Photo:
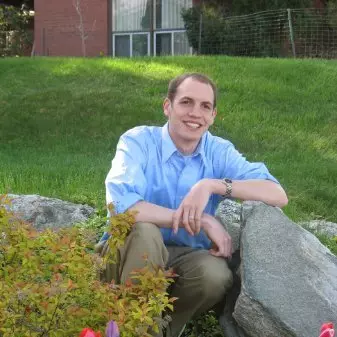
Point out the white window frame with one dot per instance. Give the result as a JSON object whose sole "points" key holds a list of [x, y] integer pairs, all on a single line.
{"points": [[172, 39], [131, 41]]}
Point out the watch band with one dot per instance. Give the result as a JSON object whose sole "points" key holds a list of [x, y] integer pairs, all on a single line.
{"points": [[228, 183]]}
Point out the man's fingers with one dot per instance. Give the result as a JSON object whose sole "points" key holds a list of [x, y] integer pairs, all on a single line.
{"points": [[191, 219], [221, 250], [216, 253], [186, 221], [197, 220], [228, 246], [176, 220], [217, 250]]}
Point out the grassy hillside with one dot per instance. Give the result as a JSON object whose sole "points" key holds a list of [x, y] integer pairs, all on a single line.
{"points": [[60, 120]]}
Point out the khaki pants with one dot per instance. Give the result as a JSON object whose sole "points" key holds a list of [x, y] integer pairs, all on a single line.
{"points": [[203, 279]]}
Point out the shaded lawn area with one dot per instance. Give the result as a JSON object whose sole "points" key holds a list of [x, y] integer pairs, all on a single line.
{"points": [[60, 120]]}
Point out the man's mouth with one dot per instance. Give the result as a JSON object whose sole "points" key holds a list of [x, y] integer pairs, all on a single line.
{"points": [[193, 125]]}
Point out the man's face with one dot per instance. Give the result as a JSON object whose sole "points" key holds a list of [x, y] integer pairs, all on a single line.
{"points": [[191, 113]]}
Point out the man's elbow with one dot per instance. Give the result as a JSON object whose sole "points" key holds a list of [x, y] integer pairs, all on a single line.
{"points": [[282, 199], [282, 202]]}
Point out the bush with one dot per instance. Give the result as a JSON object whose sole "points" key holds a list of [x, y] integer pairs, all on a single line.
{"points": [[206, 325], [221, 35], [215, 29], [49, 284], [16, 36]]}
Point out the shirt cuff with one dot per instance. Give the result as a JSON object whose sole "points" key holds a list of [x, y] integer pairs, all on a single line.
{"points": [[259, 171], [126, 201], [264, 176]]}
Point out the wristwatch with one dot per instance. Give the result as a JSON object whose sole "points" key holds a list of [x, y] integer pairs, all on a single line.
{"points": [[228, 183]]}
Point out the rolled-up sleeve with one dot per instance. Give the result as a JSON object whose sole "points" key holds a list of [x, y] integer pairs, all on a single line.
{"points": [[236, 167], [126, 183]]}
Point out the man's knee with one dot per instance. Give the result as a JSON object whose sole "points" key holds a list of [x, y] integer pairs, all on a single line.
{"points": [[146, 231], [144, 239], [215, 279]]}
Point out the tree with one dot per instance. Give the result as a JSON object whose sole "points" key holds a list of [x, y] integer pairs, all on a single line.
{"points": [[18, 3], [78, 5]]}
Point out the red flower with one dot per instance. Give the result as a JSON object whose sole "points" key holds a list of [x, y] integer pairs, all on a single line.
{"points": [[327, 330], [86, 332]]}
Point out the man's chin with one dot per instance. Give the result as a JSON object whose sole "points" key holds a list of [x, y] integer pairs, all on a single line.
{"points": [[191, 138]]}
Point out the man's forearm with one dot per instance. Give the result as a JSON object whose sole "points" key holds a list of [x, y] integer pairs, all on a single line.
{"points": [[147, 212], [261, 190]]}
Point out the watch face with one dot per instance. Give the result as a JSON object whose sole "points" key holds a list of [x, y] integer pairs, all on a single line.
{"points": [[228, 180]]}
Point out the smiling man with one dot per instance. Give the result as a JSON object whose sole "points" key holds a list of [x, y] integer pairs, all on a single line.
{"points": [[174, 177]]}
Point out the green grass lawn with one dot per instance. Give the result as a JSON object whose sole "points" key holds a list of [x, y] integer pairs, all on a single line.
{"points": [[60, 120]]}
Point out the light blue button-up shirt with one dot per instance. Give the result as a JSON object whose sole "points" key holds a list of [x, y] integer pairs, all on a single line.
{"points": [[148, 166]]}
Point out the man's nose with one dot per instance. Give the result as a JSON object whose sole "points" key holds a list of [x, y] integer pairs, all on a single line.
{"points": [[195, 111]]}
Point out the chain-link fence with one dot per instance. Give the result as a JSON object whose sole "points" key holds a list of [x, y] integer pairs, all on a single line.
{"points": [[199, 30], [274, 33]]}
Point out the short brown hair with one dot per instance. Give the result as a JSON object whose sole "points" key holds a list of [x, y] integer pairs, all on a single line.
{"points": [[175, 83]]}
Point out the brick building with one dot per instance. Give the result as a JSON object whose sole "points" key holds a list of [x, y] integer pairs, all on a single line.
{"points": [[110, 27], [113, 27]]}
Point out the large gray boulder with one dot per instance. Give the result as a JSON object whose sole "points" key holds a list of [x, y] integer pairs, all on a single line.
{"points": [[44, 212], [289, 279], [321, 227], [288, 284], [229, 214]]}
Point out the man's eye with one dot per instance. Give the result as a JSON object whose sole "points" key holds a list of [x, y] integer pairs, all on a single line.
{"points": [[207, 107], [185, 102]]}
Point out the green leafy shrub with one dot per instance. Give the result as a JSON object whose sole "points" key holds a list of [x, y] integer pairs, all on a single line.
{"points": [[97, 224], [220, 34], [328, 242], [49, 284], [220, 28], [206, 325], [16, 34]]}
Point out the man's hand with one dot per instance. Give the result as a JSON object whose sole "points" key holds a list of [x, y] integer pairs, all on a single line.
{"points": [[222, 242], [191, 208]]}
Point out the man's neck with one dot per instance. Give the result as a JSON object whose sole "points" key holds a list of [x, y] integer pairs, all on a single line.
{"points": [[185, 148]]}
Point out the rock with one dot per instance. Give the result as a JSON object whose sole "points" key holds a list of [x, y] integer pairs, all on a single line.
{"points": [[229, 214], [44, 212], [288, 284], [227, 322], [321, 227], [289, 279]]}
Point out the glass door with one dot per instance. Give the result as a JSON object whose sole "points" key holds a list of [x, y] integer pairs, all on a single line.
{"points": [[131, 44], [142, 26]]}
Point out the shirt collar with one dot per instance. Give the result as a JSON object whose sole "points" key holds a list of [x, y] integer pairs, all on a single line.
{"points": [[168, 147]]}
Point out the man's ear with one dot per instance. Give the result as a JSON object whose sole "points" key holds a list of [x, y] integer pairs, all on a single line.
{"points": [[214, 112], [167, 107]]}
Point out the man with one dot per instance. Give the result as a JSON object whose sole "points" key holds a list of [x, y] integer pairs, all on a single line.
{"points": [[174, 177]]}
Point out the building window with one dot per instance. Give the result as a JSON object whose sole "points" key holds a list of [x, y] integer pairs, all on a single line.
{"points": [[122, 45], [131, 15], [171, 43], [133, 44], [168, 13], [145, 27]]}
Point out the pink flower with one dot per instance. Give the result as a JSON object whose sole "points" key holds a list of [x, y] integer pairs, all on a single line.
{"points": [[327, 330], [86, 332], [112, 330]]}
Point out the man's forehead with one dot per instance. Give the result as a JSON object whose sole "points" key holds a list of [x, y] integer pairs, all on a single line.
{"points": [[195, 89]]}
